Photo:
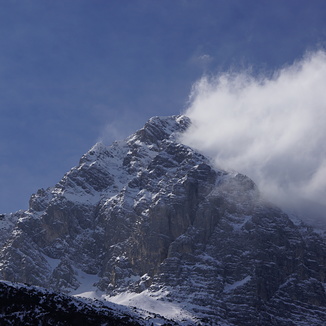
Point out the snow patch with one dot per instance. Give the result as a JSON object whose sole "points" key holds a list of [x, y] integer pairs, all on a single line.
{"points": [[87, 287], [153, 302], [53, 263], [230, 287]]}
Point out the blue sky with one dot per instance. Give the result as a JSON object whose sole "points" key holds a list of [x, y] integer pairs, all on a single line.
{"points": [[73, 72]]}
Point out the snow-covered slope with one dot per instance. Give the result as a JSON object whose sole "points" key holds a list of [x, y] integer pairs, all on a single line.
{"points": [[150, 222]]}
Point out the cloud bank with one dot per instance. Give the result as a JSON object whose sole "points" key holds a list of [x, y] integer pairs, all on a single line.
{"points": [[272, 129]]}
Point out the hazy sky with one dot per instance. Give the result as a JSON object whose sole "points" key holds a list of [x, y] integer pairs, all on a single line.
{"points": [[74, 72]]}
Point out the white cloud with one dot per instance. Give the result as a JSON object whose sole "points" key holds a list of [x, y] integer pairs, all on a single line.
{"points": [[202, 60], [272, 129]]}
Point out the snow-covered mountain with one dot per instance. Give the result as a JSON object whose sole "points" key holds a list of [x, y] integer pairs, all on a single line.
{"points": [[150, 222]]}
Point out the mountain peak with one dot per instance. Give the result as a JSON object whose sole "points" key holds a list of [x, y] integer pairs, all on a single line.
{"points": [[158, 128], [149, 219]]}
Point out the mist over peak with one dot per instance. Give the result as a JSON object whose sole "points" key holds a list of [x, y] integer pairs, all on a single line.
{"points": [[271, 128]]}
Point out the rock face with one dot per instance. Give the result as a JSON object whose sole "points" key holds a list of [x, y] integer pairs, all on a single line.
{"points": [[149, 214]]}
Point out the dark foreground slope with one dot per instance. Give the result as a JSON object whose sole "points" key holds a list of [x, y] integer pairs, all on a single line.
{"points": [[149, 217], [25, 305]]}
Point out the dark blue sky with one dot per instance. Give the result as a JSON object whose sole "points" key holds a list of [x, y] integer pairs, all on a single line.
{"points": [[72, 72]]}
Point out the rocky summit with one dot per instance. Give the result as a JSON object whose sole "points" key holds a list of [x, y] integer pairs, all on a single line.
{"points": [[150, 222]]}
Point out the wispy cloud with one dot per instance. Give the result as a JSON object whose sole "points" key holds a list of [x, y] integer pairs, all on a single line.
{"points": [[272, 129]]}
